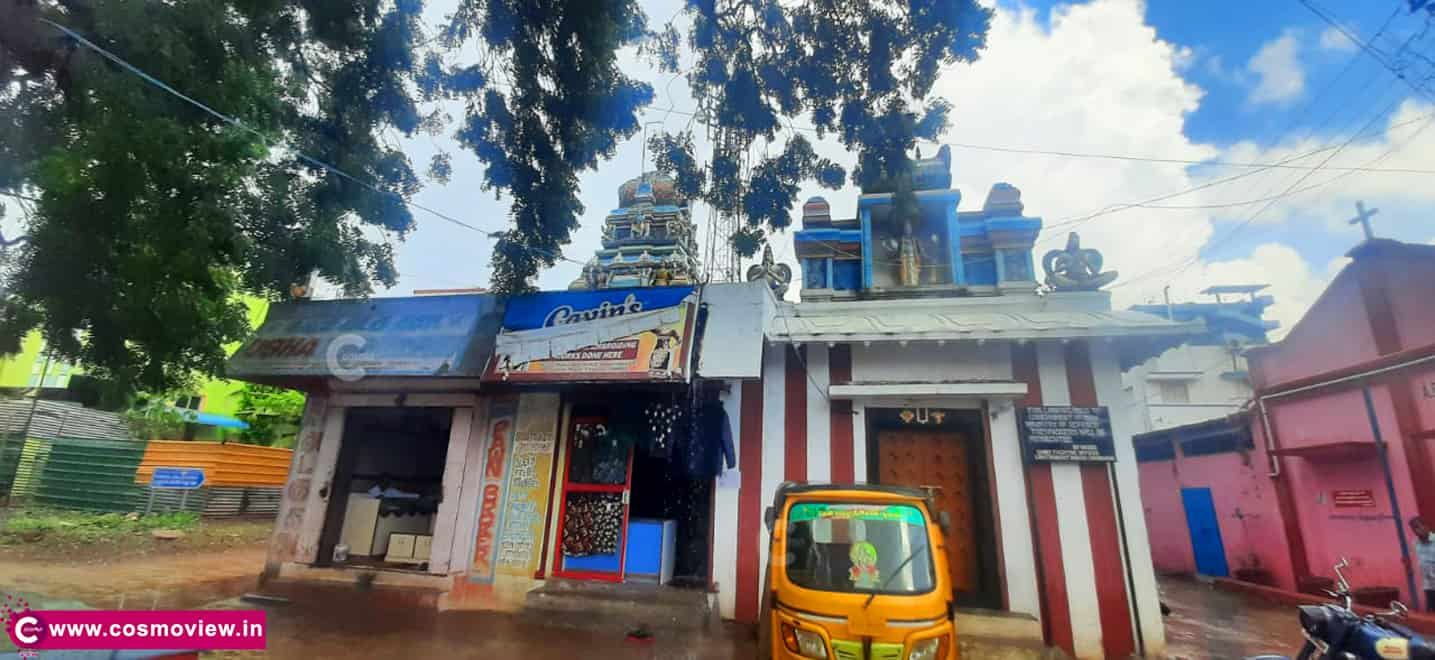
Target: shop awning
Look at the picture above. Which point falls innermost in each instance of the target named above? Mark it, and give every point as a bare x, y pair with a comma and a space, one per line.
421, 336
211, 419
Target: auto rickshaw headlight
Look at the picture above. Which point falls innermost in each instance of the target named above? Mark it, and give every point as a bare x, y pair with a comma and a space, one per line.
927, 649
804, 642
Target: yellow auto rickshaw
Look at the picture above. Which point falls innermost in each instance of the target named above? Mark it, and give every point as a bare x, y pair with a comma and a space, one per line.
855, 572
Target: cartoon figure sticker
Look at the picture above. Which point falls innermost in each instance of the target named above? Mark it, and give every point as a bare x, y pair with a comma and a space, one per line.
864, 566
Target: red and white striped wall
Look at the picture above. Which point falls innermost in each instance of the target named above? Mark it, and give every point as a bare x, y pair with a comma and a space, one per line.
1063, 556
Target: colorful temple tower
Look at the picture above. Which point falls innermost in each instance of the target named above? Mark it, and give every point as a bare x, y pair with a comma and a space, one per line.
935, 251
649, 240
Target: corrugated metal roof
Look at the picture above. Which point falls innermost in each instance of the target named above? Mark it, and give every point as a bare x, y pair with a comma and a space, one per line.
958, 319
56, 419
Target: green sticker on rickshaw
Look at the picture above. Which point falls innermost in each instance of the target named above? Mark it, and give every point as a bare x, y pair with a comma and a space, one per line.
805, 511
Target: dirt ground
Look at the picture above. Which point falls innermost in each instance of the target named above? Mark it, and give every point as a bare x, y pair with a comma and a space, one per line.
217, 560
208, 535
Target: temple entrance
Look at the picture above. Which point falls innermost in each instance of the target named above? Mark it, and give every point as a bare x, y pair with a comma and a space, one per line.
943, 449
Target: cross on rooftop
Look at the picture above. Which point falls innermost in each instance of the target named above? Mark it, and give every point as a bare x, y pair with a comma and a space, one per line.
1363, 217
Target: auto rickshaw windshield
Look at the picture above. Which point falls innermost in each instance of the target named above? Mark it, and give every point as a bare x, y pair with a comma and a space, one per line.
858, 548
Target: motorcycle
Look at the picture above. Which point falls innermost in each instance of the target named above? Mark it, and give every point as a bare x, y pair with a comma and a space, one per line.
1335, 632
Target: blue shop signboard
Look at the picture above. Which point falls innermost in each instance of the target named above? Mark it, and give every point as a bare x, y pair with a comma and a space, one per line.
548, 309
637, 334
1066, 434
352, 339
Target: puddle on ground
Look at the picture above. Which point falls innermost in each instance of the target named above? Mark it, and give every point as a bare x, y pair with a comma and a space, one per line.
1209, 623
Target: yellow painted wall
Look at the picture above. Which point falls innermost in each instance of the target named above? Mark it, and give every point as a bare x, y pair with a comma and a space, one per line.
15, 370
220, 396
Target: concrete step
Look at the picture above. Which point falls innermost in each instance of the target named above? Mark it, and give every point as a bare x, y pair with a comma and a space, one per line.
619, 608
990, 648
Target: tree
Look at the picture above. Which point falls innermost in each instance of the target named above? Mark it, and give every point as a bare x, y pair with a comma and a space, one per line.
859, 69
546, 101
152, 214
272, 413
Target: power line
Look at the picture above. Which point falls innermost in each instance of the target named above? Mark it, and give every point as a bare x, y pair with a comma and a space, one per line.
1252, 218
234, 121
1394, 147
1145, 203
1123, 157
1182, 161
1365, 46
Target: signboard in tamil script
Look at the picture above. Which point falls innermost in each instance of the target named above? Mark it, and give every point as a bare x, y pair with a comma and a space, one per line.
177, 478
1055, 434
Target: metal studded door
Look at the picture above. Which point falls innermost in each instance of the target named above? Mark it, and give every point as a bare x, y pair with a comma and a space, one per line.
937, 458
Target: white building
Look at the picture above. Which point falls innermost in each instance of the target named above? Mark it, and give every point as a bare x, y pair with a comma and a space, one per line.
1205, 378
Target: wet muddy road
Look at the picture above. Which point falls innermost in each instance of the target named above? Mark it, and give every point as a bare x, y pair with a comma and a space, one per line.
1204, 622
1209, 623
351, 627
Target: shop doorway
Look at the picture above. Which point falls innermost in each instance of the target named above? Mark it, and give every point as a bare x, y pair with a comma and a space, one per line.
388, 482
593, 514
944, 450
633, 508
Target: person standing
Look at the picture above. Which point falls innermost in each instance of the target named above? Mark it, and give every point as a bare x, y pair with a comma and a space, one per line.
1425, 554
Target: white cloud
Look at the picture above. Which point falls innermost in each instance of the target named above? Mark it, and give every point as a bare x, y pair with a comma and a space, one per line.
1292, 282
1333, 39
1279, 76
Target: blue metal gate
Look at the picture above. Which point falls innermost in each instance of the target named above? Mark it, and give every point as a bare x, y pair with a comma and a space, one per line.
1205, 532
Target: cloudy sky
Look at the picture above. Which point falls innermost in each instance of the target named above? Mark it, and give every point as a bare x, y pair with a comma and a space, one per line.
1222, 82
1219, 81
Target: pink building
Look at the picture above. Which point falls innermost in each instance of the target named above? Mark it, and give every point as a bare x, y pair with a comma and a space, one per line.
1311, 484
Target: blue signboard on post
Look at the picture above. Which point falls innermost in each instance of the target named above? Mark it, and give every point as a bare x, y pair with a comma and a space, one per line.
177, 478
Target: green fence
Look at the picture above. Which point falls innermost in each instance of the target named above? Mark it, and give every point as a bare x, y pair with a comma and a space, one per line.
72, 473
100, 475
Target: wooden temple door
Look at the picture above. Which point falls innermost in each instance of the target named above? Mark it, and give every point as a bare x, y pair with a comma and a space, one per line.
937, 458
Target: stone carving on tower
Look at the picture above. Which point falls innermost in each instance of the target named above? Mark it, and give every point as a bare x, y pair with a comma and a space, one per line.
649, 240
1075, 268
778, 275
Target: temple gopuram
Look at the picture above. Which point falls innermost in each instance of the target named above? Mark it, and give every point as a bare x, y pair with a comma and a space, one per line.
649, 240
940, 251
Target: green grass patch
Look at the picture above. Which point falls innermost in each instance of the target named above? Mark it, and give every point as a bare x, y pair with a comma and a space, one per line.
28, 526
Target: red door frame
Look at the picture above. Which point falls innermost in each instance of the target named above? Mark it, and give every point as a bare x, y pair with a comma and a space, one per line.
569, 487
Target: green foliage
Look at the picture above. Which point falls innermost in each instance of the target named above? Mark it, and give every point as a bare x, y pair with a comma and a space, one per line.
565, 106
861, 69
155, 418
152, 214
273, 414
56, 526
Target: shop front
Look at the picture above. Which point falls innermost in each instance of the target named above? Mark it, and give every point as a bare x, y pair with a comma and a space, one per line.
392, 397
605, 438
